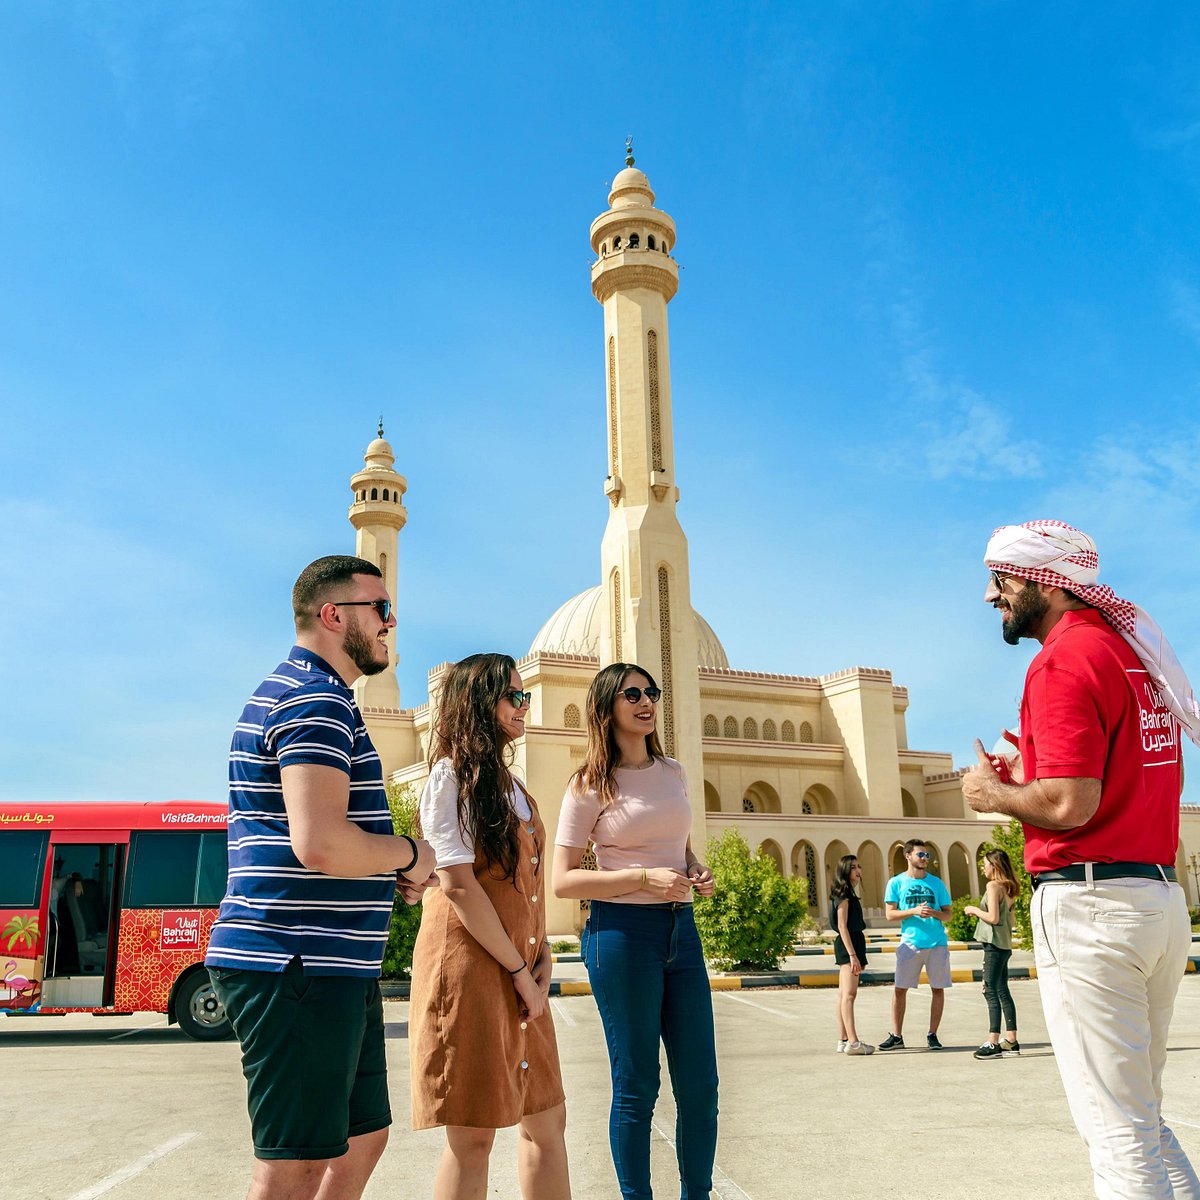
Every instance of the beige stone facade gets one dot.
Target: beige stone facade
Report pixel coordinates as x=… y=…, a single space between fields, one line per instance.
x=805 y=768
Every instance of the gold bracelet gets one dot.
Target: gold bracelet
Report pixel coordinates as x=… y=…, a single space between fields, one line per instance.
x=643 y=877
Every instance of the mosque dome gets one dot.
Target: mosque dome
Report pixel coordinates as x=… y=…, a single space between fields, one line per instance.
x=631 y=189
x=575 y=629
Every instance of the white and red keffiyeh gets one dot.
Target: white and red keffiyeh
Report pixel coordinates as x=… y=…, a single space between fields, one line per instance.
x=1055 y=553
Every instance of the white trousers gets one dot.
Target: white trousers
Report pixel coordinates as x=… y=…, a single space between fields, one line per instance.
x=1110 y=957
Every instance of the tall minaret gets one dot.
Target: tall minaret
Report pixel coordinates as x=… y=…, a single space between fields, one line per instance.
x=644 y=556
x=378 y=515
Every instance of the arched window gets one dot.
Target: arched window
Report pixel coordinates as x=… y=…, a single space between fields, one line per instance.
x=650 y=242
x=571 y=717
x=750 y=729
x=731 y=729
x=634 y=241
x=385 y=494
x=711 y=728
x=806 y=732
x=789 y=731
x=770 y=733
x=603 y=247
x=374 y=493
x=617 y=242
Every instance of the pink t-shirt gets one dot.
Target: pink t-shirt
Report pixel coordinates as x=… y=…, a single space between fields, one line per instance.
x=646 y=825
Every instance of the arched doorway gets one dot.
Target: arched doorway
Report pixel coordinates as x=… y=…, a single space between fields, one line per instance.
x=712 y=798
x=820 y=800
x=937 y=862
x=772 y=851
x=761 y=797
x=833 y=852
x=908 y=803
x=871 y=861
x=960 y=880
x=899 y=864
x=804 y=866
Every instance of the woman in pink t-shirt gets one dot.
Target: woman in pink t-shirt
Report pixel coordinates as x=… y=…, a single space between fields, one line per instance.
x=640 y=943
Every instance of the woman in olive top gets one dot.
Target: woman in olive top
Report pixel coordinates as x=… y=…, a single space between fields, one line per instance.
x=994 y=930
x=640 y=944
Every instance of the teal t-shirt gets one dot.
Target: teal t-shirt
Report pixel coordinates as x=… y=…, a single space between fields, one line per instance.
x=906 y=892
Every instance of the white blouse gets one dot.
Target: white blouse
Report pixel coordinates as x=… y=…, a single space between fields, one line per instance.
x=439 y=816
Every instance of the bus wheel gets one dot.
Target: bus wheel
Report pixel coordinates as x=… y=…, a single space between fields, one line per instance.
x=199 y=1013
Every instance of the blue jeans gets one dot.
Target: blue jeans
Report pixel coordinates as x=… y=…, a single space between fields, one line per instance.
x=648 y=976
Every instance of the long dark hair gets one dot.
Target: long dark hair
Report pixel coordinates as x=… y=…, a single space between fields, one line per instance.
x=596 y=774
x=466 y=732
x=843 y=887
x=1004 y=869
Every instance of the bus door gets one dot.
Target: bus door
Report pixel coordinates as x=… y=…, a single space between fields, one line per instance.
x=81 y=920
x=22 y=917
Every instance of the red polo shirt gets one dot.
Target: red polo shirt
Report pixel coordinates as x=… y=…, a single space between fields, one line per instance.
x=1090 y=711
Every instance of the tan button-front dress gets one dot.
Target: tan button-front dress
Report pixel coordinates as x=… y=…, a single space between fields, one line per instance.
x=474 y=1060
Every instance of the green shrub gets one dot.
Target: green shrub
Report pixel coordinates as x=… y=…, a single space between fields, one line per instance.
x=961 y=927
x=1194 y=913
x=808 y=932
x=751 y=920
x=1011 y=839
x=406 y=918
x=564 y=946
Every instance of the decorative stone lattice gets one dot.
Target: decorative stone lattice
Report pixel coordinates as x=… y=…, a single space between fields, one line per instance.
x=587 y=863
x=810 y=873
x=612 y=407
x=656 y=451
x=789 y=731
x=750 y=729
x=711 y=728
x=664 y=641
x=572 y=718
x=731 y=729
x=806 y=807
x=748 y=805
x=769 y=732
x=806 y=732
x=618 y=653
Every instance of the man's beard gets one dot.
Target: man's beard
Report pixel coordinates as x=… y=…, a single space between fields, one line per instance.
x=1025 y=610
x=361 y=649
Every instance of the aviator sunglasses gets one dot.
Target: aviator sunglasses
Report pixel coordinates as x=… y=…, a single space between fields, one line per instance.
x=634 y=694
x=518 y=699
x=382 y=607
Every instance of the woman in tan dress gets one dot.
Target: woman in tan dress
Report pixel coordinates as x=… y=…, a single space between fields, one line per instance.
x=484 y=1056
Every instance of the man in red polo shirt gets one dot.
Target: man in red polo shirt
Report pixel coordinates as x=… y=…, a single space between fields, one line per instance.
x=1097 y=786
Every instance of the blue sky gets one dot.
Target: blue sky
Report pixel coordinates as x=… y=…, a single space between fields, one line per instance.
x=941 y=271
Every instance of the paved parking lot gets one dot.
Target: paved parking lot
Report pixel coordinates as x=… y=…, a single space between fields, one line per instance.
x=130 y=1109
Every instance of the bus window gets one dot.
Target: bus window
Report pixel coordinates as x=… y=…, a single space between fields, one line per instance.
x=175 y=870
x=22 y=861
x=214 y=868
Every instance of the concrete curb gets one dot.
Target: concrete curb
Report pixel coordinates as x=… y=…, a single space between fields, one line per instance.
x=397 y=989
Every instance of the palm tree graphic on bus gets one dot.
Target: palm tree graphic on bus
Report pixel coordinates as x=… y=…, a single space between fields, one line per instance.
x=22 y=930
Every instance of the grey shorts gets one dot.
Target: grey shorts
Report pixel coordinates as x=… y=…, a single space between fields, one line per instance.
x=935 y=960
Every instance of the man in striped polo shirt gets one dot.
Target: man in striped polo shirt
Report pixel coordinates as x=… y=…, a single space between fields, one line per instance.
x=313 y=869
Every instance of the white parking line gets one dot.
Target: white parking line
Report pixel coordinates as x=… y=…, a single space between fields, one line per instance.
x=134 y=1168
x=560 y=1011
x=1177 y=1121
x=775 y=1012
x=723 y=1187
x=116 y=1037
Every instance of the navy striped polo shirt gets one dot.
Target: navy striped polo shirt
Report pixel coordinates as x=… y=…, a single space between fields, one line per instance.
x=275 y=908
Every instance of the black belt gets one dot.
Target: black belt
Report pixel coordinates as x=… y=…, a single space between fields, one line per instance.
x=1077 y=873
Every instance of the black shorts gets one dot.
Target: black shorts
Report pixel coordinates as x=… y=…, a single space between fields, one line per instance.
x=840 y=954
x=313 y=1057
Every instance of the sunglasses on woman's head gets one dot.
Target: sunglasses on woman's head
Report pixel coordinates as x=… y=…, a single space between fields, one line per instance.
x=519 y=699
x=633 y=694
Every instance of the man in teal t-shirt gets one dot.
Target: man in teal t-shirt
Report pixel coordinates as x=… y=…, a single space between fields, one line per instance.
x=921 y=903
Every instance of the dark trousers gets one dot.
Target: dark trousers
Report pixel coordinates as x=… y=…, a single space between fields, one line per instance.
x=648 y=976
x=995 y=988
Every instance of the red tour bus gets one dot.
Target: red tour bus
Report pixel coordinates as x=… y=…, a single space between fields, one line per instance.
x=106 y=908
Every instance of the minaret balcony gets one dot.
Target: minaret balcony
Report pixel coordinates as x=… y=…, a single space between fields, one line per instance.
x=628 y=270
x=378 y=512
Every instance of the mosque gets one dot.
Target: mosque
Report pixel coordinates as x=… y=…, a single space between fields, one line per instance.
x=805 y=768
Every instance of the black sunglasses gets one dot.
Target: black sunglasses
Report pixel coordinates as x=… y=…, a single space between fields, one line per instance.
x=998 y=580
x=633 y=694
x=518 y=699
x=382 y=607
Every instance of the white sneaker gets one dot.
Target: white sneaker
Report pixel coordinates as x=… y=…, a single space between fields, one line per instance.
x=859 y=1048
x=841 y=1047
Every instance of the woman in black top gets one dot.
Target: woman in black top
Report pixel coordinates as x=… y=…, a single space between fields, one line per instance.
x=849 y=950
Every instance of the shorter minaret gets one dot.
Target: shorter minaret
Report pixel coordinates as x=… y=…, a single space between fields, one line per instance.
x=378 y=514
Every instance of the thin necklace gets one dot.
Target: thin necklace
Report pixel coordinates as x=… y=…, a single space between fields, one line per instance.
x=637 y=766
